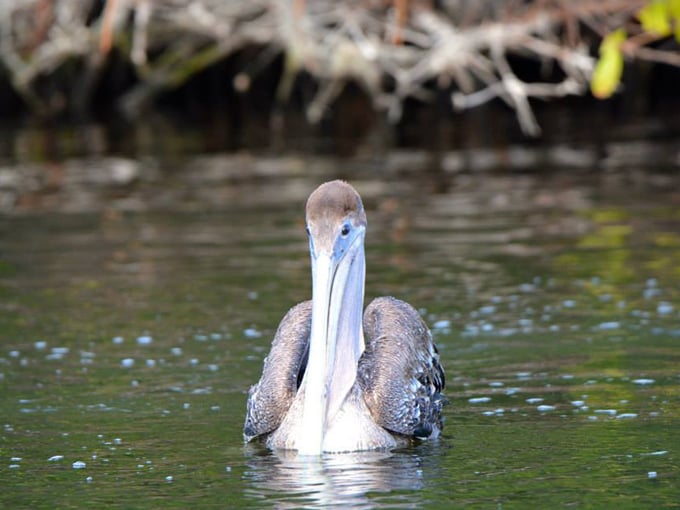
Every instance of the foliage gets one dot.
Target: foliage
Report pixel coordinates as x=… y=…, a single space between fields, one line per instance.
x=609 y=68
x=658 y=19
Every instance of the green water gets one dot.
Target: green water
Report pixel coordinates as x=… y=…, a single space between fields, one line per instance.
x=132 y=325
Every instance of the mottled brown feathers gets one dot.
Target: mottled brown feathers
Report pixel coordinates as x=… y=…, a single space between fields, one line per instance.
x=399 y=372
x=270 y=399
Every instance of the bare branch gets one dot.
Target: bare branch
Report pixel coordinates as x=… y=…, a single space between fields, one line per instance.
x=393 y=49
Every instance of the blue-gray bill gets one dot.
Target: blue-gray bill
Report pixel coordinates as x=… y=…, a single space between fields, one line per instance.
x=336 y=380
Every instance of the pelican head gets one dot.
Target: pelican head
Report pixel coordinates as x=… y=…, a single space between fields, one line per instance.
x=336 y=226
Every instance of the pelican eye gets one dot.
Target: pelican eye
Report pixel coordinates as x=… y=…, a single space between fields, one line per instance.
x=345 y=230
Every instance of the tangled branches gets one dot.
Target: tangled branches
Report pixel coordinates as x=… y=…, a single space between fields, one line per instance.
x=394 y=49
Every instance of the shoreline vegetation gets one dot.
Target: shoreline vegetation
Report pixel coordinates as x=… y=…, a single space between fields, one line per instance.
x=65 y=58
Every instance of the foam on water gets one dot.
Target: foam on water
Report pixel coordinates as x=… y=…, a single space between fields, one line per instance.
x=144 y=340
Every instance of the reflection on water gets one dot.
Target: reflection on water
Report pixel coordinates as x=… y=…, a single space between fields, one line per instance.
x=347 y=480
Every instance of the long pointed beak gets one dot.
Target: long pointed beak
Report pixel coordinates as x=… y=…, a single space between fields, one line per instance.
x=336 y=341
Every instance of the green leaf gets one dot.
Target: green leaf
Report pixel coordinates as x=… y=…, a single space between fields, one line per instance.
x=613 y=41
x=656 y=17
x=607 y=74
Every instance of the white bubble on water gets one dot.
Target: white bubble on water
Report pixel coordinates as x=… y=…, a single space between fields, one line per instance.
x=127 y=362
x=151 y=363
x=55 y=458
x=40 y=345
x=176 y=351
x=624 y=416
x=169 y=478
x=664 y=308
x=544 y=408
x=479 y=400
x=471 y=330
x=441 y=324
x=651 y=475
x=643 y=381
x=89 y=479
x=144 y=340
x=79 y=464
x=610 y=412
x=609 y=325
x=650 y=293
x=117 y=340
x=534 y=400
x=252 y=333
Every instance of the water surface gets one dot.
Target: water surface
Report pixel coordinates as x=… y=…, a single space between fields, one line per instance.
x=138 y=298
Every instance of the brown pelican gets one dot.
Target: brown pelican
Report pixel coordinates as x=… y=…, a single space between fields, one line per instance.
x=335 y=383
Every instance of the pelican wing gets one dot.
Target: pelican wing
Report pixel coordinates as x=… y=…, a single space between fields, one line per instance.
x=399 y=371
x=270 y=399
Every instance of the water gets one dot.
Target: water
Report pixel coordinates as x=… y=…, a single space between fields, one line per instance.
x=138 y=298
